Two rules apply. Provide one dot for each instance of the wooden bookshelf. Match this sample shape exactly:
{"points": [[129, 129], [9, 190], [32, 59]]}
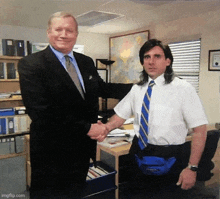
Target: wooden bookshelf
{"points": [[12, 155], [10, 85], [11, 102]]}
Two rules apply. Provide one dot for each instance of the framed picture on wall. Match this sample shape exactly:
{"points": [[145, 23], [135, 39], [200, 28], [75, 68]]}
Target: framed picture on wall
{"points": [[124, 50], [36, 47], [214, 60]]}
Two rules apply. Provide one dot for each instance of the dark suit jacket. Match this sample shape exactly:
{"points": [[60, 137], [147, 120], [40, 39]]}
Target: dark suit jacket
{"points": [[61, 118]]}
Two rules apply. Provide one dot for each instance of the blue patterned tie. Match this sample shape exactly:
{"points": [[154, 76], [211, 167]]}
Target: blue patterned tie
{"points": [[143, 138]]}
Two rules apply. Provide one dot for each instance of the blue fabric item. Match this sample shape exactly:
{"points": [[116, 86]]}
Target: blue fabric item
{"points": [[152, 165]]}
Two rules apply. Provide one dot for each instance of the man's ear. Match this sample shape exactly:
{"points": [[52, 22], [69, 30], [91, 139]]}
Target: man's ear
{"points": [[48, 31], [168, 61]]}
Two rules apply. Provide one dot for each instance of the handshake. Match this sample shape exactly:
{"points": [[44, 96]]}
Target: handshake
{"points": [[98, 131]]}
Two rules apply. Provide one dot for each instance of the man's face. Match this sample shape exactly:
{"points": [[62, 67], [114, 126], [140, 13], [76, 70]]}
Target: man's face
{"points": [[62, 34], [155, 62]]}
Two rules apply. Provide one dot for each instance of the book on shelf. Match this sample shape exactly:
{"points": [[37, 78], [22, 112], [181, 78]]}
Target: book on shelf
{"points": [[6, 111], [8, 47], [28, 48], [2, 70], [1, 48], [13, 47], [20, 110], [10, 125], [8, 71], [14, 120], [3, 125], [19, 144], [11, 71], [20, 48]]}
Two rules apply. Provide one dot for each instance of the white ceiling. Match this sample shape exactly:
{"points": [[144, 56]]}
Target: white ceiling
{"points": [[135, 14]]}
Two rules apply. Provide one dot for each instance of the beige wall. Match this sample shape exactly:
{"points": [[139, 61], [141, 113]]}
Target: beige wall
{"points": [[207, 28], [96, 45]]}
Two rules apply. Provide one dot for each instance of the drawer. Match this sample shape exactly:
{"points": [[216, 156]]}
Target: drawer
{"points": [[100, 179]]}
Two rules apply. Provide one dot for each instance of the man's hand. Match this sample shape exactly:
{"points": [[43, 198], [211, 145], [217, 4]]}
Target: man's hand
{"points": [[187, 179], [98, 131]]}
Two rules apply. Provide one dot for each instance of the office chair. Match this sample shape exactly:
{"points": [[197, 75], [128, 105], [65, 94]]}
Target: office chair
{"points": [[206, 164]]}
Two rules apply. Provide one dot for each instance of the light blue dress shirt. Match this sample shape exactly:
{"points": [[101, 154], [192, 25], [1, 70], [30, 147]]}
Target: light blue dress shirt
{"points": [[61, 58]]}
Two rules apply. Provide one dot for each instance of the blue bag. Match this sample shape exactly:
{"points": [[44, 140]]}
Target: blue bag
{"points": [[152, 165]]}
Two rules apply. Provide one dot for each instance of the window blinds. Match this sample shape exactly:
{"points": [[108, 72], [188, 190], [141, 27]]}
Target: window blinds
{"points": [[187, 61]]}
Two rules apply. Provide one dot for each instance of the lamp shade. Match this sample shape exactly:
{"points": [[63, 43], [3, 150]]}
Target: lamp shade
{"points": [[106, 62]]}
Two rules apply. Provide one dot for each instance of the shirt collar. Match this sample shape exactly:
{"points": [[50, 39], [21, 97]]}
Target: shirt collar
{"points": [[159, 80], [60, 55]]}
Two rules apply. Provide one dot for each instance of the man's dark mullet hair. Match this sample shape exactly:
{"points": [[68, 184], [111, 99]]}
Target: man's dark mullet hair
{"points": [[169, 74]]}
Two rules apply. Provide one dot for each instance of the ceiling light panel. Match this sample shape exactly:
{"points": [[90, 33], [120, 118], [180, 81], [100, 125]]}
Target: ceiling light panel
{"points": [[93, 18]]}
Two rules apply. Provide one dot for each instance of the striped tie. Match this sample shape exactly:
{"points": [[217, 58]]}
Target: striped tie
{"points": [[143, 138]]}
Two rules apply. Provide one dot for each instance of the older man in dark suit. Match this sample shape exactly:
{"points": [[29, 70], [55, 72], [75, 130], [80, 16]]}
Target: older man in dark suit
{"points": [[64, 127]]}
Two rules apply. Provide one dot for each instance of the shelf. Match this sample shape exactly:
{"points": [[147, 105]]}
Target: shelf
{"points": [[9, 80], [14, 98], [5, 136], [10, 58], [12, 155]]}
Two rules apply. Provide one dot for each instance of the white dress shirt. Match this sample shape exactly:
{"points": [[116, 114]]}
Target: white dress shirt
{"points": [[174, 108]]}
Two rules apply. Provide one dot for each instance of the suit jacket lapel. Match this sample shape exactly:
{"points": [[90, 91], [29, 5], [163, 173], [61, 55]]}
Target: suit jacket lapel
{"points": [[55, 65]]}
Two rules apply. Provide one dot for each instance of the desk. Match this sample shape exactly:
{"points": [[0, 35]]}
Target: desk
{"points": [[124, 150], [116, 152]]}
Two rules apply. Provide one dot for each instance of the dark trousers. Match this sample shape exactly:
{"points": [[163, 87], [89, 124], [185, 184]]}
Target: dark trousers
{"points": [[160, 151], [182, 154], [58, 176]]}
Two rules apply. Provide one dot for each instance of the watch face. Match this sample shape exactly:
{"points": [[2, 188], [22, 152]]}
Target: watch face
{"points": [[194, 168]]}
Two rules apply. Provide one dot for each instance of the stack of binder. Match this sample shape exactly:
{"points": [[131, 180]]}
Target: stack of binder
{"points": [[11, 47], [14, 120]]}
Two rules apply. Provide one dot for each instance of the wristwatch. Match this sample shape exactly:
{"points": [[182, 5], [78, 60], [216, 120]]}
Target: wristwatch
{"points": [[193, 167]]}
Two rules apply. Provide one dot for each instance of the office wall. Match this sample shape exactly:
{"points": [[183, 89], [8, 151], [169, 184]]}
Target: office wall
{"points": [[96, 45], [204, 26], [207, 27]]}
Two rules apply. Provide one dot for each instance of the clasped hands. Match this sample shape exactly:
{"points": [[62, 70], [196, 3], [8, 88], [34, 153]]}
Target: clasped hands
{"points": [[98, 131]]}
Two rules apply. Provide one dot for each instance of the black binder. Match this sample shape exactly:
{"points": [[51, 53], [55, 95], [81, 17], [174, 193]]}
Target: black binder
{"points": [[20, 49], [2, 70], [29, 48], [8, 47], [11, 72]]}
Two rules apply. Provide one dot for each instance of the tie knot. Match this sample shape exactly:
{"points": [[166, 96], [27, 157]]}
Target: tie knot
{"points": [[152, 83], [67, 57]]}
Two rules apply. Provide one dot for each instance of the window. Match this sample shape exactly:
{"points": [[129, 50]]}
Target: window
{"points": [[187, 61]]}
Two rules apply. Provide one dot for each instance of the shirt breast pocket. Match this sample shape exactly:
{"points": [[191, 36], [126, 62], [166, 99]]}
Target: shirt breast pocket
{"points": [[92, 85]]}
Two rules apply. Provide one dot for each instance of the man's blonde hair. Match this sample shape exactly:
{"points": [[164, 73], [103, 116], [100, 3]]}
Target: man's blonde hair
{"points": [[61, 14]]}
